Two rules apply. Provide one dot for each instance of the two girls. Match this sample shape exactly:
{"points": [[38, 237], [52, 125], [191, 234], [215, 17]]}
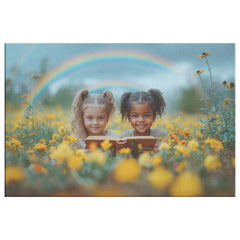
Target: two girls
{"points": [[90, 114]]}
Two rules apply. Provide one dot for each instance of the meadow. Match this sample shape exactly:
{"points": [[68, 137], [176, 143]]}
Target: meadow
{"points": [[43, 158]]}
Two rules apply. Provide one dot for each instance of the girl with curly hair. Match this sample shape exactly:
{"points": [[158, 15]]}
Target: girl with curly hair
{"points": [[90, 115]]}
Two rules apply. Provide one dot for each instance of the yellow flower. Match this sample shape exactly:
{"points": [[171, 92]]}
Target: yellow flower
{"points": [[93, 146], [97, 156], [139, 146], [224, 83], [193, 145], [37, 167], [32, 156], [24, 95], [81, 153], [62, 153], [156, 160], [198, 72], [50, 116], [61, 130], [199, 134], [127, 170], [13, 173], [232, 85], [227, 100], [13, 145], [187, 184], [181, 166], [182, 149], [179, 119], [69, 139], [214, 144], [204, 54], [145, 159], [160, 178], [75, 162], [124, 151], [40, 147], [212, 162], [233, 161], [164, 145], [106, 144]]}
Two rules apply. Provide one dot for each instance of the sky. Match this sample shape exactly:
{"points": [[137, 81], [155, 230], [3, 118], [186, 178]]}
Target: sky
{"points": [[183, 59]]}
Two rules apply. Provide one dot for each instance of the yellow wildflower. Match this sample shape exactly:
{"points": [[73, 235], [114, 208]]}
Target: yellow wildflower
{"points": [[75, 162], [181, 166], [61, 130], [32, 156], [156, 160], [13, 145], [160, 178], [179, 119], [13, 173], [127, 170], [40, 147], [60, 124], [106, 144], [212, 162], [81, 153], [62, 153], [204, 54], [227, 100], [198, 72], [228, 85], [93, 146], [164, 145], [199, 134], [69, 139], [97, 156], [37, 167], [214, 144], [124, 151], [145, 159], [232, 85], [233, 161], [193, 145], [50, 116], [24, 95], [182, 149], [187, 184]]}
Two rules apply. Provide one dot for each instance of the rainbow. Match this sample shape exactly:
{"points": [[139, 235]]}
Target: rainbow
{"points": [[114, 84], [81, 61]]}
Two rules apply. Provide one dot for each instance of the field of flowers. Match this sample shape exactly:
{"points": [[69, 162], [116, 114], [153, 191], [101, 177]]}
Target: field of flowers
{"points": [[43, 158]]}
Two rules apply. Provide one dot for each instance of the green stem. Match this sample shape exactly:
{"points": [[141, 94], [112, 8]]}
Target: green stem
{"points": [[209, 69]]}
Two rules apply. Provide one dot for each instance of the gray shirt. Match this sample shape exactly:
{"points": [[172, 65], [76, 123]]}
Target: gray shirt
{"points": [[155, 132]]}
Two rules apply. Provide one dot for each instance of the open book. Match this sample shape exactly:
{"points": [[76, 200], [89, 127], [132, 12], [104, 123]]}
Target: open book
{"points": [[134, 143]]}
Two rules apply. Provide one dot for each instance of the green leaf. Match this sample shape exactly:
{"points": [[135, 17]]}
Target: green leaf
{"points": [[204, 120]]}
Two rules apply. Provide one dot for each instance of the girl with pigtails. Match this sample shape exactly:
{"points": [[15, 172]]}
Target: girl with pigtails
{"points": [[90, 114], [141, 110]]}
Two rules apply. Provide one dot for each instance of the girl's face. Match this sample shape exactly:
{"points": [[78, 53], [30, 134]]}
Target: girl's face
{"points": [[141, 118], [95, 120]]}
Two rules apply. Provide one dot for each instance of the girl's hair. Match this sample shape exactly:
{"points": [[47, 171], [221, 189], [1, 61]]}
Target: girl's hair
{"points": [[153, 97], [83, 100]]}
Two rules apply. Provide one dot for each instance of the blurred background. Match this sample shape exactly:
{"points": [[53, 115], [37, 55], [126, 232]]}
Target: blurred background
{"points": [[51, 74]]}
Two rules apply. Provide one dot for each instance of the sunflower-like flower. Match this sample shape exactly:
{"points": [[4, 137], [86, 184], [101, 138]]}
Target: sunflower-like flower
{"points": [[198, 72], [224, 83], [232, 85], [204, 54]]}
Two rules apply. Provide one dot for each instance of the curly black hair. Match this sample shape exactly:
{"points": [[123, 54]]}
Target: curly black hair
{"points": [[153, 97]]}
